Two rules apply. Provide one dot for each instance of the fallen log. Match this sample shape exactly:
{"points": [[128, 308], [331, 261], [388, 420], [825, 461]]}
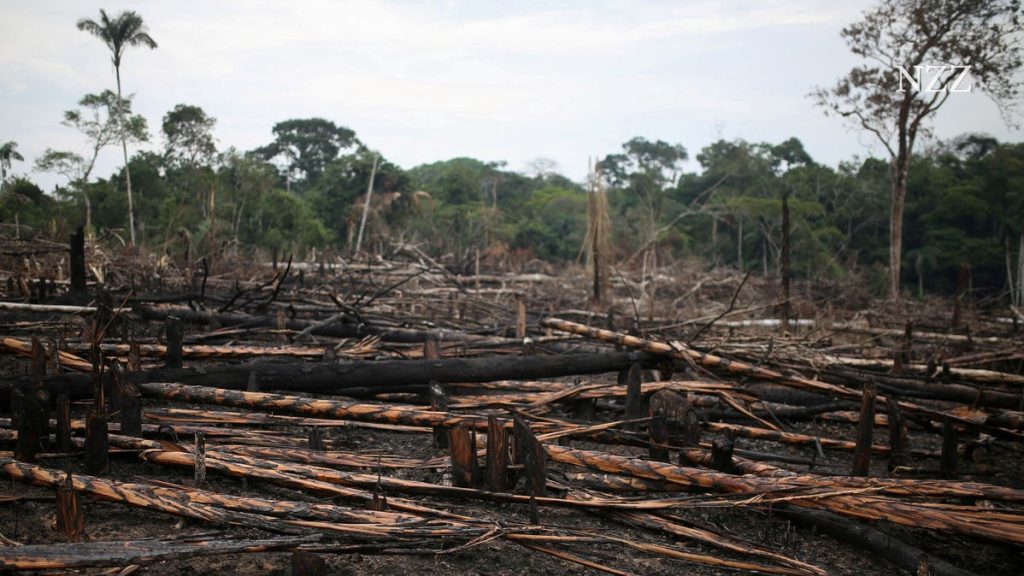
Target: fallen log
{"points": [[370, 377], [348, 327], [204, 351], [138, 552], [348, 484], [286, 509], [678, 350], [929, 390], [255, 512], [902, 487], [801, 439], [878, 543], [969, 520], [137, 495], [971, 375], [678, 530], [22, 348], [47, 308], [298, 405], [190, 416]]}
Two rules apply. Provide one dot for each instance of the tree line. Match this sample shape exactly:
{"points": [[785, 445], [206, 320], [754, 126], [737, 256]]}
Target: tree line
{"points": [[307, 189], [917, 219]]}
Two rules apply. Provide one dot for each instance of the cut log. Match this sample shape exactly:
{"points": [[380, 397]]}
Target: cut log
{"points": [[137, 552], [298, 405], [46, 308], [876, 542], [968, 520], [347, 327], [252, 512], [680, 351], [353, 377], [917, 387]]}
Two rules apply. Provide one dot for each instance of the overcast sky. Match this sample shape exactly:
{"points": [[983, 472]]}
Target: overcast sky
{"points": [[425, 81]]}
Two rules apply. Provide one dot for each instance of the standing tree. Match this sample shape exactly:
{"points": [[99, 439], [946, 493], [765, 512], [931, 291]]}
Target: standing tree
{"points": [[646, 170], [188, 131], [104, 119], [127, 29], [307, 145], [189, 146], [8, 154], [889, 97]]}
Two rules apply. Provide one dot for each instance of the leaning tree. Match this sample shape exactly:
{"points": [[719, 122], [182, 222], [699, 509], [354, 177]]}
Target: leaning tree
{"points": [[124, 30], [915, 54]]}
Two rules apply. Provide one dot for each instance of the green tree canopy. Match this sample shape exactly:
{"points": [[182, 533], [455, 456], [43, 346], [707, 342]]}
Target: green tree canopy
{"points": [[103, 119], [188, 135], [903, 37], [8, 154], [307, 145]]}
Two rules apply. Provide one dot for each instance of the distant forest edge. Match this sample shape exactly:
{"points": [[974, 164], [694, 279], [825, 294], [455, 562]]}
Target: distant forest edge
{"points": [[307, 189], [926, 219]]}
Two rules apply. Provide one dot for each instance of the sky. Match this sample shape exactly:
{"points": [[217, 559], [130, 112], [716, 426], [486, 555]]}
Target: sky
{"points": [[427, 81]]}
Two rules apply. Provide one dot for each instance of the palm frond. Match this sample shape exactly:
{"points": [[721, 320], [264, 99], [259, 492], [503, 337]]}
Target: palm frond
{"points": [[125, 29], [142, 39]]}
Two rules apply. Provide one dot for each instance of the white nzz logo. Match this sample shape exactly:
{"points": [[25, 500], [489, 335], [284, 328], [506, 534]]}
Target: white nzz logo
{"points": [[941, 78]]}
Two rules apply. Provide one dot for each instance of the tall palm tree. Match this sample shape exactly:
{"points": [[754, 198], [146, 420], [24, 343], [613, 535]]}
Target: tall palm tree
{"points": [[126, 29], [8, 154]]}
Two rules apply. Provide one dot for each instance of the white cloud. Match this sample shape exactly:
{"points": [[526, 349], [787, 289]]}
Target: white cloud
{"points": [[423, 81]]}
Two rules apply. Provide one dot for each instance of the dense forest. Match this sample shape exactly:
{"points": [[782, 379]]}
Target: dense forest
{"points": [[307, 189], [930, 215]]}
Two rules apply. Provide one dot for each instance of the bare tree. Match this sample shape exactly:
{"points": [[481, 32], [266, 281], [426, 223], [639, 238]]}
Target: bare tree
{"points": [[889, 97]]}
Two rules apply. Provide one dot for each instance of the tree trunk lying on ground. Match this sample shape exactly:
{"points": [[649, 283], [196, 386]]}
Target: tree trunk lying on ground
{"points": [[70, 556], [341, 328], [906, 556], [301, 406], [840, 497], [680, 351], [370, 377]]}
